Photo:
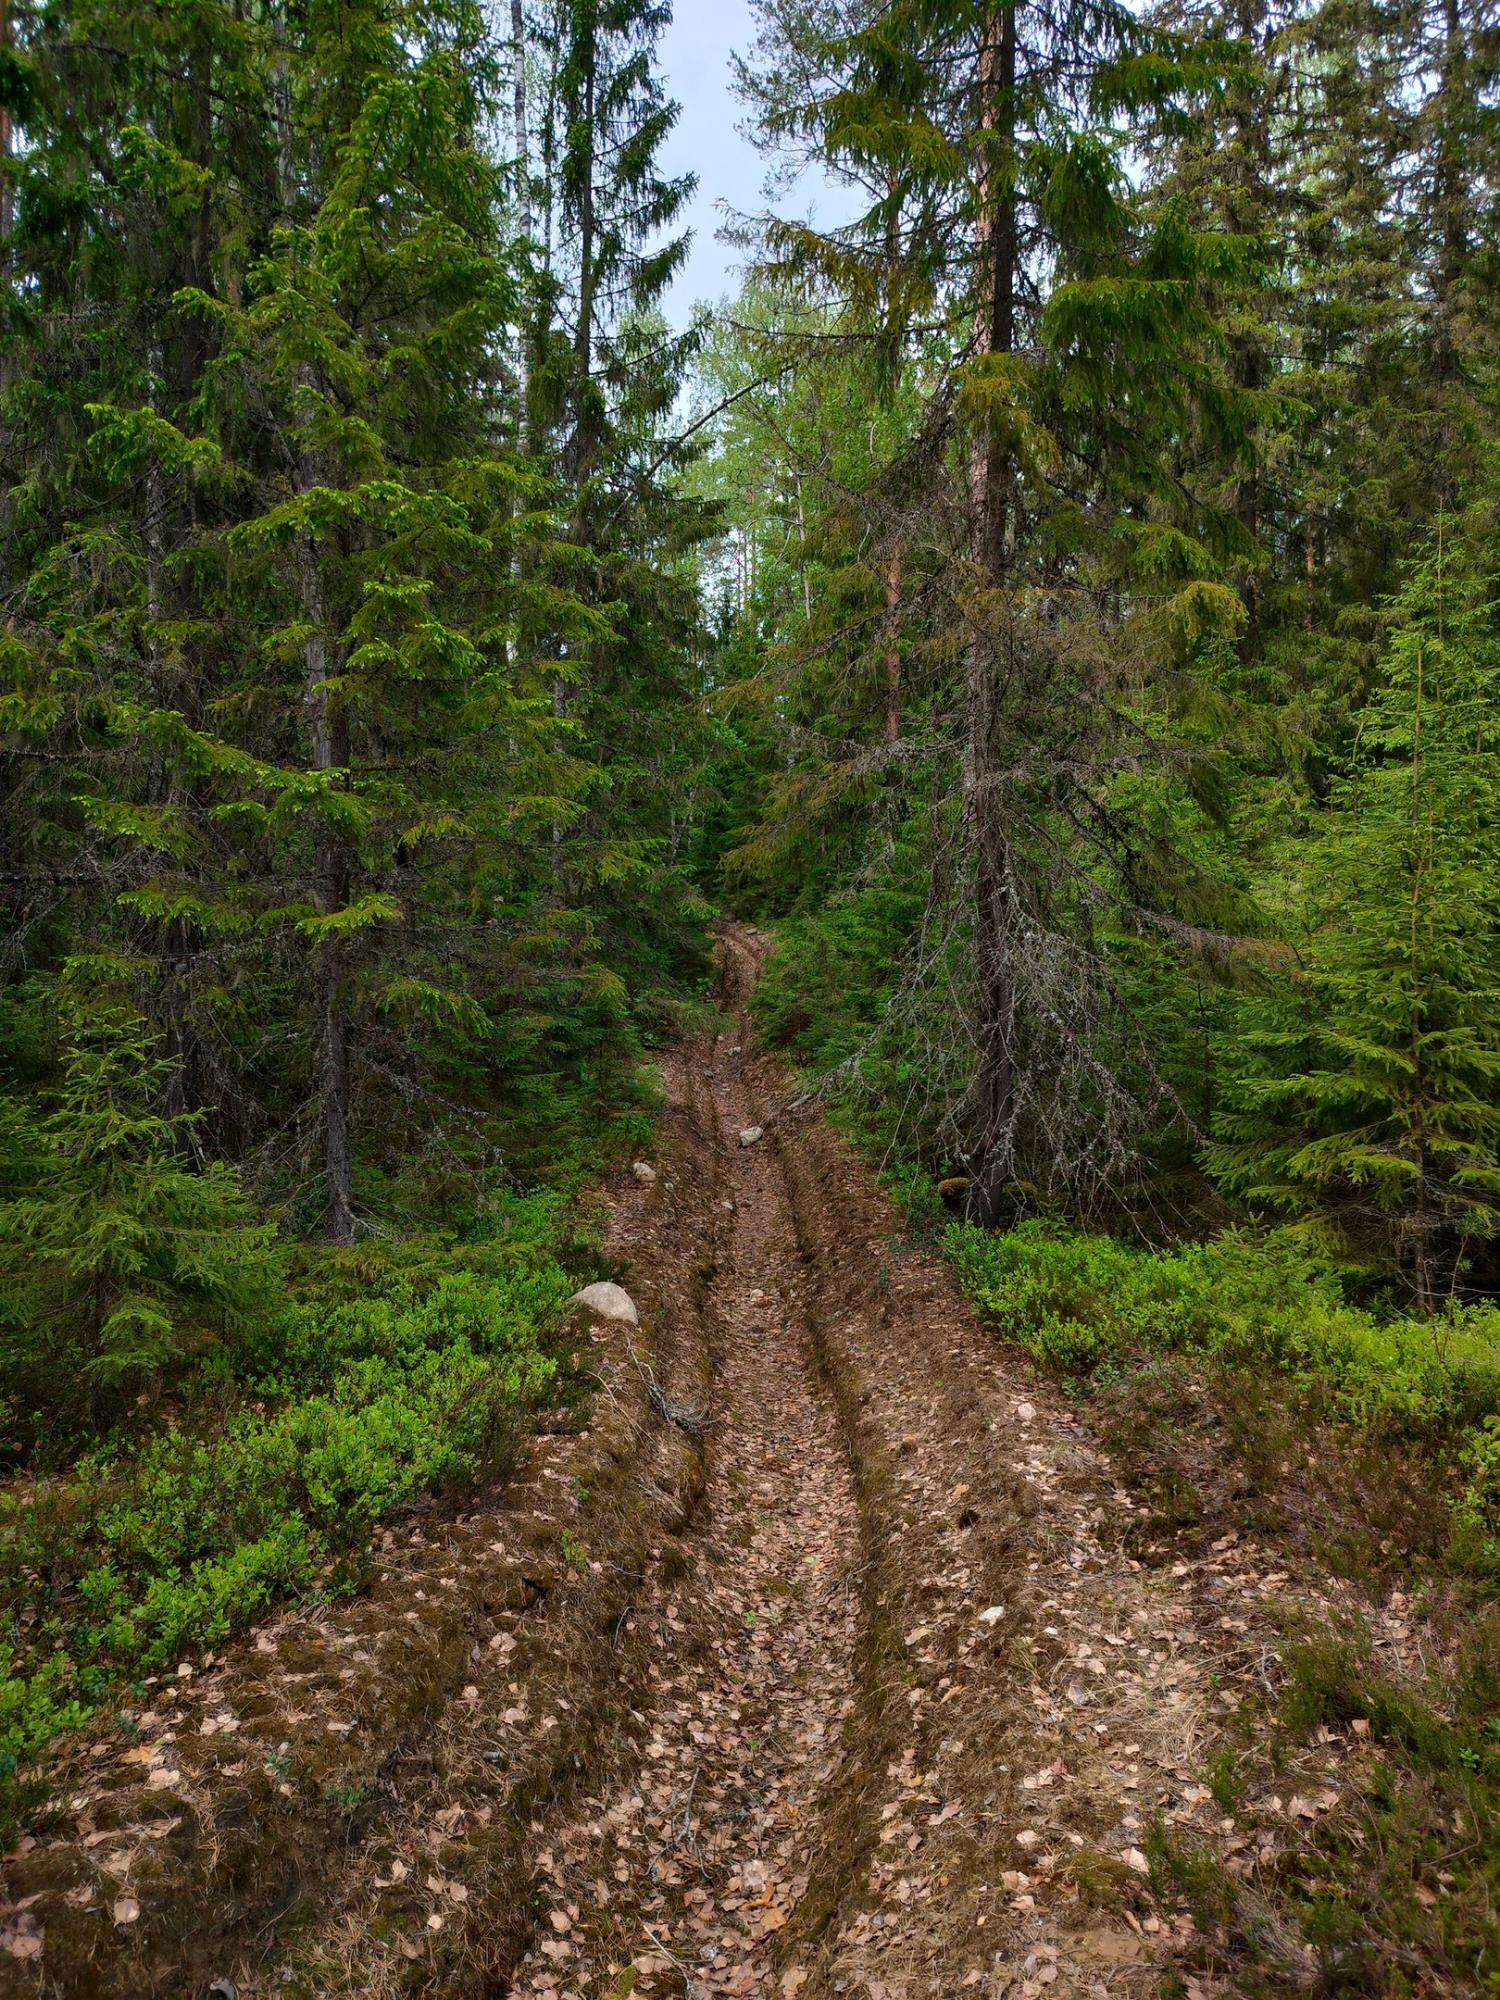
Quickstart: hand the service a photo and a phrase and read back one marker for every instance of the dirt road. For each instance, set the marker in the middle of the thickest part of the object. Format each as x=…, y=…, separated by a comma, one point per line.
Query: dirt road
x=912, y=1709
x=862, y=1689
x=688, y=1869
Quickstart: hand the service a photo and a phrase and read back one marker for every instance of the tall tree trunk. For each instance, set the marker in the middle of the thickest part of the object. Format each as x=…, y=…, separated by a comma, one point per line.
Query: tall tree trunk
x=891, y=646
x=991, y=480
x=1248, y=169
x=579, y=452
x=807, y=605
x=521, y=137
x=1451, y=196
x=583, y=338
x=182, y=1091
x=891, y=623
x=328, y=741
x=7, y=196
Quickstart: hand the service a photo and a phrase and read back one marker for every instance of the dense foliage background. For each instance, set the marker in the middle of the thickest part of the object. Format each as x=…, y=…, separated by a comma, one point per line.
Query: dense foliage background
x=350, y=682
x=1062, y=602
x=1109, y=618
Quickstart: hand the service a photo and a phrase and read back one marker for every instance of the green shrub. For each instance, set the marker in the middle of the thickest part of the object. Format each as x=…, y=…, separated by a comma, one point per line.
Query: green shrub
x=178, y=1539
x=35, y=1707
x=1088, y=1303
x=492, y=1314
x=1478, y=1512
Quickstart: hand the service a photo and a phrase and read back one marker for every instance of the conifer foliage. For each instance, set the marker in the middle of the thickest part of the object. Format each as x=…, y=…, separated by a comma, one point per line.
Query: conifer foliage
x=130, y=1256
x=1122, y=774
x=349, y=635
x=392, y=675
x=1365, y=1101
x=1071, y=351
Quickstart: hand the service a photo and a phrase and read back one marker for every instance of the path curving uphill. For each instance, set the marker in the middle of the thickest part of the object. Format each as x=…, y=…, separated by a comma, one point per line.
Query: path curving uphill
x=817, y=1665
x=682, y=1875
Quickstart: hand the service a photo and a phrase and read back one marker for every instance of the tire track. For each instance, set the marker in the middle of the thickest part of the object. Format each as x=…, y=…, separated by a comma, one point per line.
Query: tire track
x=681, y=1878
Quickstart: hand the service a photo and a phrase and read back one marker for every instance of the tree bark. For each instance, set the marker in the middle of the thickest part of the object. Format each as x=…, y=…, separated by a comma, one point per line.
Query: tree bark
x=583, y=337
x=891, y=634
x=521, y=136
x=7, y=193
x=1451, y=194
x=521, y=139
x=579, y=452
x=328, y=741
x=991, y=480
x=807, y=604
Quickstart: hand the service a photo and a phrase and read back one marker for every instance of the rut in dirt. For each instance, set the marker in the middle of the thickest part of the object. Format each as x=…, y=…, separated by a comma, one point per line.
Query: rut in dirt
x=680, y=1878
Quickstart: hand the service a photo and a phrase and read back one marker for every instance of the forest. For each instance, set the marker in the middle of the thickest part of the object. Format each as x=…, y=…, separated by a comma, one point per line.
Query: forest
x=982, y=745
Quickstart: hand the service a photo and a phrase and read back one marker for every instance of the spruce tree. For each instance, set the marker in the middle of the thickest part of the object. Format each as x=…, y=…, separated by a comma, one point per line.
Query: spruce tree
x=120, y=1261
x=379, y=567
x=266, y=560
x=1080, y=355
x=1363, y=1102
x=604, y=389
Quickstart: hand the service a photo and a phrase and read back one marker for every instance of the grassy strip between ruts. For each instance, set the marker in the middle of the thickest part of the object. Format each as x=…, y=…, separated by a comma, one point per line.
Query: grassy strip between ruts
x=404, y=1373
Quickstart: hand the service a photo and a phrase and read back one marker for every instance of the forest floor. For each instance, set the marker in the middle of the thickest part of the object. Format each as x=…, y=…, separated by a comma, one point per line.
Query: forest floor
x=878, y=1682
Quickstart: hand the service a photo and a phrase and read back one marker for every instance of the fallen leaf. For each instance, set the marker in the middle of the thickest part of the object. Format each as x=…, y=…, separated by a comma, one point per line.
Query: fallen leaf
x=1106, y=1948
x=22, y=1943
x=126, y=1909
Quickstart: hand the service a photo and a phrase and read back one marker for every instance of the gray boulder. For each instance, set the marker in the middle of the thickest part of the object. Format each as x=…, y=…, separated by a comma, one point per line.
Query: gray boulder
x=606, y=1301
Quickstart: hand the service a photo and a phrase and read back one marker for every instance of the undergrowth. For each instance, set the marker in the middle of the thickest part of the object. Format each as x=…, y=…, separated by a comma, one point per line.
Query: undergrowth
x=1237, y=1381
x=390, y=1373
x=1393, y=1890
x=1095, y=1308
